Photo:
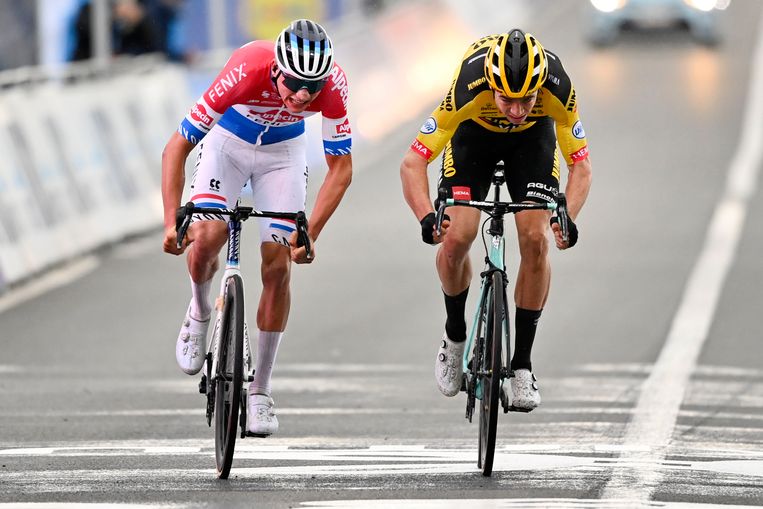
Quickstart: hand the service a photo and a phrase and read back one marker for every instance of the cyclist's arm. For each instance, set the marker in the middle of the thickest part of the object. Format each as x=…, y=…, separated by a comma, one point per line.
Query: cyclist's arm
x=331, y=192
x=413, y=173
x=173, y=179
x=561, y=104
x=578, y=185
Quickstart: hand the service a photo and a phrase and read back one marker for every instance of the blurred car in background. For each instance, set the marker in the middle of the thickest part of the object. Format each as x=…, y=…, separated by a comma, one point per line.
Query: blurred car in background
x=605, y=19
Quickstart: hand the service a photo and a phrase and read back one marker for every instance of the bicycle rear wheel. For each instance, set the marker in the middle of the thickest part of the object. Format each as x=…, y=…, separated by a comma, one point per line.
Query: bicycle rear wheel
x=229, y=376
x=491, y=372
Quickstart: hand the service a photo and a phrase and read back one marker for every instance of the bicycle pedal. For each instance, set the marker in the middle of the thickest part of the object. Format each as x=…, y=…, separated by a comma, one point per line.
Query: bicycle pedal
x=203, y=384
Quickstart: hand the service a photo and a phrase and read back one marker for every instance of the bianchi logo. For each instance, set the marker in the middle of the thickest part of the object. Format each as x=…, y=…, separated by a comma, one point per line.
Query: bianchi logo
x=578, y=131
x=429, y=126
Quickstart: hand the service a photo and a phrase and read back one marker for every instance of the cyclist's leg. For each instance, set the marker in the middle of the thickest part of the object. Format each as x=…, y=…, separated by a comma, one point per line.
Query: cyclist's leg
x=279, y=183
x=465, y=174
x=216, y=183
x=534, y=177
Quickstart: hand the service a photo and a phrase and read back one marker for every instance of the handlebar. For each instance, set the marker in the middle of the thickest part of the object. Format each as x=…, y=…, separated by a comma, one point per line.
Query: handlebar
x=499, y=208
x=183, y=220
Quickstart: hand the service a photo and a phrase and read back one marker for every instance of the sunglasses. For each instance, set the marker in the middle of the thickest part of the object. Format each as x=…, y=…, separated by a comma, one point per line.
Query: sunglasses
x=296, y=84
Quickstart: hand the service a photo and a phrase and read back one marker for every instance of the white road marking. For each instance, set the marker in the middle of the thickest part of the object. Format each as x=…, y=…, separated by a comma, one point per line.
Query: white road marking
x=662, y=393
x=366, y=369
x=502, y=503
x=387, y=459
x=69, y=505
x=199, y=412
x=645, y=369
x=43, y=283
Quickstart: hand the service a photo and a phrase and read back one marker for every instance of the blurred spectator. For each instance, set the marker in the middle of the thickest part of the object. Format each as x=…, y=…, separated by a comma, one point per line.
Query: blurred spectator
x=133, y=31
x=165, y=16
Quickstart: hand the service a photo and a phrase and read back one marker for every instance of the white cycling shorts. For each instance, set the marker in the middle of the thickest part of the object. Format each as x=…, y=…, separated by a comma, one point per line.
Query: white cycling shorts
x=276, y=172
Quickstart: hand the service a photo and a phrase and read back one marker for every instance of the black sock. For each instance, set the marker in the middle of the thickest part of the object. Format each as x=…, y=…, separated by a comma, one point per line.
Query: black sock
x=526, y=322
x=455, y=325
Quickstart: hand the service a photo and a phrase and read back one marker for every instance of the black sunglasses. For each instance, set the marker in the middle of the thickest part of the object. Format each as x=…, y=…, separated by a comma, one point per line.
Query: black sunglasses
x=296, y=84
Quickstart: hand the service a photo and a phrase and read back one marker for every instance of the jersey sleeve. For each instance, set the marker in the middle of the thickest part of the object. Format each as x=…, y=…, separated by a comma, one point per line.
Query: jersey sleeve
x=225, y=90
x=559, y=93
x=460, y=103
x=337, y=133
x=569, y=130
x=439, y=128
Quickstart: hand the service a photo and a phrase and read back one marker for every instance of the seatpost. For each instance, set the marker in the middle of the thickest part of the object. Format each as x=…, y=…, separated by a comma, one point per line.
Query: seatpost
x=496, y=219
x=499, y=177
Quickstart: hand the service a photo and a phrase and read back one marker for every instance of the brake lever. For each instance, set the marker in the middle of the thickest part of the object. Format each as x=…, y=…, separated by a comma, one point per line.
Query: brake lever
x=303, y=239
x=442, y=195
x=563, y=216
x=183, y=221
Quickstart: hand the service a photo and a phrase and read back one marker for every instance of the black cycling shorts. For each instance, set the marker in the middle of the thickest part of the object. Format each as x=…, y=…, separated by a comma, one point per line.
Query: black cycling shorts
x=530, y=160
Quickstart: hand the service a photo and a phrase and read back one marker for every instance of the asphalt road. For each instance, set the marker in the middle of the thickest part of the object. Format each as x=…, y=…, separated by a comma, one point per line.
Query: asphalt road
x=648, y=353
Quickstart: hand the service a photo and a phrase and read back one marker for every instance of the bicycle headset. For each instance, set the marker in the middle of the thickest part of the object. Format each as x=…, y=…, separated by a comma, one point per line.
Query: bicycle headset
x=516, y=65
x=304, y=51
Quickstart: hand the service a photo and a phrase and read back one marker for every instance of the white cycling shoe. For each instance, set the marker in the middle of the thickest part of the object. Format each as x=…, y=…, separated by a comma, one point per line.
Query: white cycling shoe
x=448, y=367
x=261, y=420
x=191, y=346
x=524, y=394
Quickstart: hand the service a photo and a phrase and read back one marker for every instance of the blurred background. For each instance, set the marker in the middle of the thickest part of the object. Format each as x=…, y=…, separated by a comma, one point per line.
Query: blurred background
x=91, y=89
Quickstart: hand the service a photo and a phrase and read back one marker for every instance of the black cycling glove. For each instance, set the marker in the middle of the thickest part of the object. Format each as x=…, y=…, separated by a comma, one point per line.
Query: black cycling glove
x=572, y=230
x=427, y=227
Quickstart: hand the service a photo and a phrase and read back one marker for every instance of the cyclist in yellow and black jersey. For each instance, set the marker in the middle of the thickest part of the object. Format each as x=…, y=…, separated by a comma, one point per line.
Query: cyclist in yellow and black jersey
x=510, y=100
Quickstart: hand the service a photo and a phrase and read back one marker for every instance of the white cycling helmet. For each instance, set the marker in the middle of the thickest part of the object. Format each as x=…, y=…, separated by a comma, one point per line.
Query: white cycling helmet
x=304, y=50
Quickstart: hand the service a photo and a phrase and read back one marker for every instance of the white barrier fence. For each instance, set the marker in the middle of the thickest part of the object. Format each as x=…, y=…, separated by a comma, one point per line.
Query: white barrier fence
x=81, y=164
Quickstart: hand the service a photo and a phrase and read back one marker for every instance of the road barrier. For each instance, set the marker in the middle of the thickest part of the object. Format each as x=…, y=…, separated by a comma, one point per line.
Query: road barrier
x=81, y=163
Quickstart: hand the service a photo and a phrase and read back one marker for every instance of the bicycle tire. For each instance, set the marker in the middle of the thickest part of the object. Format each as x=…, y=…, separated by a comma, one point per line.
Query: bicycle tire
x=229, y=376
x=491, y=373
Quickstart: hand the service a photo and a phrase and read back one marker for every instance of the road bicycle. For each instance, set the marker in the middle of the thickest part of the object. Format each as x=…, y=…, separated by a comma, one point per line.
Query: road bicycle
x=488, y=348
x=229, y=357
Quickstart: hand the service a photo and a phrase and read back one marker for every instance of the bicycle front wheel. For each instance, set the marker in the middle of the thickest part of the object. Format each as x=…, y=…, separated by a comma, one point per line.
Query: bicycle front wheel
x=490, y=372
x=229, y=376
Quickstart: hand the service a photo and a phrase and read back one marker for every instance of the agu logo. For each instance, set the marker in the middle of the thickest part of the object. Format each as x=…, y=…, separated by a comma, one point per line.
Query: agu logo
x=578, y=131
x=429, y=126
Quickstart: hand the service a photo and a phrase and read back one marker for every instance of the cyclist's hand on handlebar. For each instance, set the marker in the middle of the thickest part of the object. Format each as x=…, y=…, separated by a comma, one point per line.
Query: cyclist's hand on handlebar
x=170, y=241
x=428, y=224
x=557, y=230
x=299, y=253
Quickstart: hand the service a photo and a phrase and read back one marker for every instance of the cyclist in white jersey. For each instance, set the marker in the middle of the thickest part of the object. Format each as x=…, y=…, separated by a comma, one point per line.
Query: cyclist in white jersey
x=249, y=125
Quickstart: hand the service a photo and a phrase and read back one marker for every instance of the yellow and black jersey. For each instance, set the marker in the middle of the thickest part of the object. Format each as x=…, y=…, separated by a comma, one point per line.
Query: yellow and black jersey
x=470, y=98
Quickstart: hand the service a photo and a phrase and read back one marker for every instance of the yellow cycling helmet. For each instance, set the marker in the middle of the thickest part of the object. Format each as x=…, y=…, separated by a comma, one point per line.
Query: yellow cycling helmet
x=516, y=64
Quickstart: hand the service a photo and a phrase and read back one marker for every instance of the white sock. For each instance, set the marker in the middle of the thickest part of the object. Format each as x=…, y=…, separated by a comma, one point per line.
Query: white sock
x=201, y=308
x=267, y=347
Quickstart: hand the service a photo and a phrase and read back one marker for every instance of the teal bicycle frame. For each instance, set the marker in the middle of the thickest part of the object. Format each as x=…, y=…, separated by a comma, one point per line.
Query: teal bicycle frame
x=495, y=260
